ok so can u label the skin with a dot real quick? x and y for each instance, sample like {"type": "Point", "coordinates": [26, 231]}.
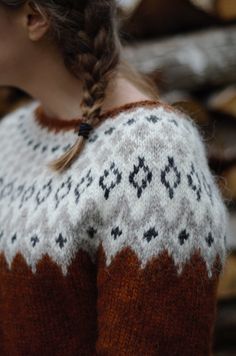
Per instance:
{"type": "Point", "coordinates": [30, 62]}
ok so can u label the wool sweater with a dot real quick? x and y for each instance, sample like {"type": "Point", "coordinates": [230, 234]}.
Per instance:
{"type": "Point", "coordinates": [118, 255]}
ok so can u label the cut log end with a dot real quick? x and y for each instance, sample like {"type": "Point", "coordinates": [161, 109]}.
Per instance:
{"type": "Point", "coordinates": [225, 9]}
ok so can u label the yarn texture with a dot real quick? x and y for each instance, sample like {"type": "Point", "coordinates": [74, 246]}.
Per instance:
{"type": "Point", "coordinates": [119, 255]}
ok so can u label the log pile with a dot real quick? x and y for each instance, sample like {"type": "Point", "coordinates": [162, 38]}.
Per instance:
{"type": "Point", "coordinates": [188, 61]}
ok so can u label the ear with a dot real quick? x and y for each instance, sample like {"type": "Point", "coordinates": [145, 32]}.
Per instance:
{"type": "Point", "coordinates": [37, 21]}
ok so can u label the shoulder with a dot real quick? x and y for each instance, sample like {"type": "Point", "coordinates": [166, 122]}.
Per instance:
{"type": "Point", "coordinates": [153, 130]}
{"type": "Point", "coordinates": [161, 193]}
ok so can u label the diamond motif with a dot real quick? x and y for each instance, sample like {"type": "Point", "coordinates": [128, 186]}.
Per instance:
{"type": "Point", "coordinates": [7, 190]}
{"type": "Point", "coordinates": [84, 183]}
{"type": "Point", "coordinates": [113, 172]}
{"type": "Point", "coordinates": [173, 174]}
{"type": "Point", "coordinates": [18, 192]}
{"type": "Point", "coordinates": [63, 191]}
{"type": "Point", "coordinates": [44, 194]}
{"type": "Point", "coordinates": [27, 195]}
{"type": "Point", "coordinates": [140, 176]}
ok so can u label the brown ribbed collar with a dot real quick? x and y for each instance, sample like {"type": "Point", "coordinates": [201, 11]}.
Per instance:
{"type": "Point", "coordinates": [59, 124]}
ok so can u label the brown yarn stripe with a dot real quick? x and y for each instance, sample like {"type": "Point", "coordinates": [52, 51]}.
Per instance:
{"type": "Point", "coordinates": [57, 124]}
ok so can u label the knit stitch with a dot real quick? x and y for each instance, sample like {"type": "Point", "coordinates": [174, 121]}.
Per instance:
{"type": "Point", "coordinates": [121, 253]}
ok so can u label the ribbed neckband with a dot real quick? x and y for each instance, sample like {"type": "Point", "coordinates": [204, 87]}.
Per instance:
{"type": "Point", "coordinates": [59, 124]}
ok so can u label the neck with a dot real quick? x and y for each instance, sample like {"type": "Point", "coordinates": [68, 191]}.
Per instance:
{"type": "Point", "coordinates": [60, 92]}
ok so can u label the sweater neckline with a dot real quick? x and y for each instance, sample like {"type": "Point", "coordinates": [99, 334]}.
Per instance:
{"type": "Point", "coordinates": [60, 124]}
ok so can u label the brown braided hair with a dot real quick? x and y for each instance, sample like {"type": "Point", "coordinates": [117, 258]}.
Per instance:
{"type": "Point", "coordinates": [87, 34]}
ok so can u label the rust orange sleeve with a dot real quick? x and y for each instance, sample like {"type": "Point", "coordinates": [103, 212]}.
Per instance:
{"type": "Point", "coordinates": [155, 311]}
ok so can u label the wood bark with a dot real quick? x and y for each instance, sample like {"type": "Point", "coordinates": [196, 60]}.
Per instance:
{"type": "Point", "coordinates": [187, 62]}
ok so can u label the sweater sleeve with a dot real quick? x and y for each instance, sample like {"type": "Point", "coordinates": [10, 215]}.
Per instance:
{"type": "Point", "coordinates": [163, 241]}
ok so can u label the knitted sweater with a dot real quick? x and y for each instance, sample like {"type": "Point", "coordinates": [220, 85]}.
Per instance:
{"type": "Point", "coordinates": [120, 254]}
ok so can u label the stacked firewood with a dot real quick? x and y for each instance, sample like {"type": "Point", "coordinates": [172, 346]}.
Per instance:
{"type": "Point", "coordinates": [189, 48]}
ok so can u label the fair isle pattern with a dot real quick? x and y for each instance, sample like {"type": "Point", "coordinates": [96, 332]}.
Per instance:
{"type": "Point", "coordinates": [142, 181]}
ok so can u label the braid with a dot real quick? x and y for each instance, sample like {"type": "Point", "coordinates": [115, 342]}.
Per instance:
{"type": "Point", "coordinates": [87, 36]}
{"type": "Point", "coordinates": [94, 64]}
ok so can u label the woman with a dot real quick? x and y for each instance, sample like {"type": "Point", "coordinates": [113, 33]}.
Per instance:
{"type": "Point", "coordinates": [113, 230]}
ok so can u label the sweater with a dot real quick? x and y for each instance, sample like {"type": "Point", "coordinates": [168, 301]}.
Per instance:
{"type": "Point", "coordinates": [121, 253]}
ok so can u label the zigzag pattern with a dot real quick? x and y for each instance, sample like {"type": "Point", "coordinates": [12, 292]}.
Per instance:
{"type": "Point", "coordinates": [142, 181]}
